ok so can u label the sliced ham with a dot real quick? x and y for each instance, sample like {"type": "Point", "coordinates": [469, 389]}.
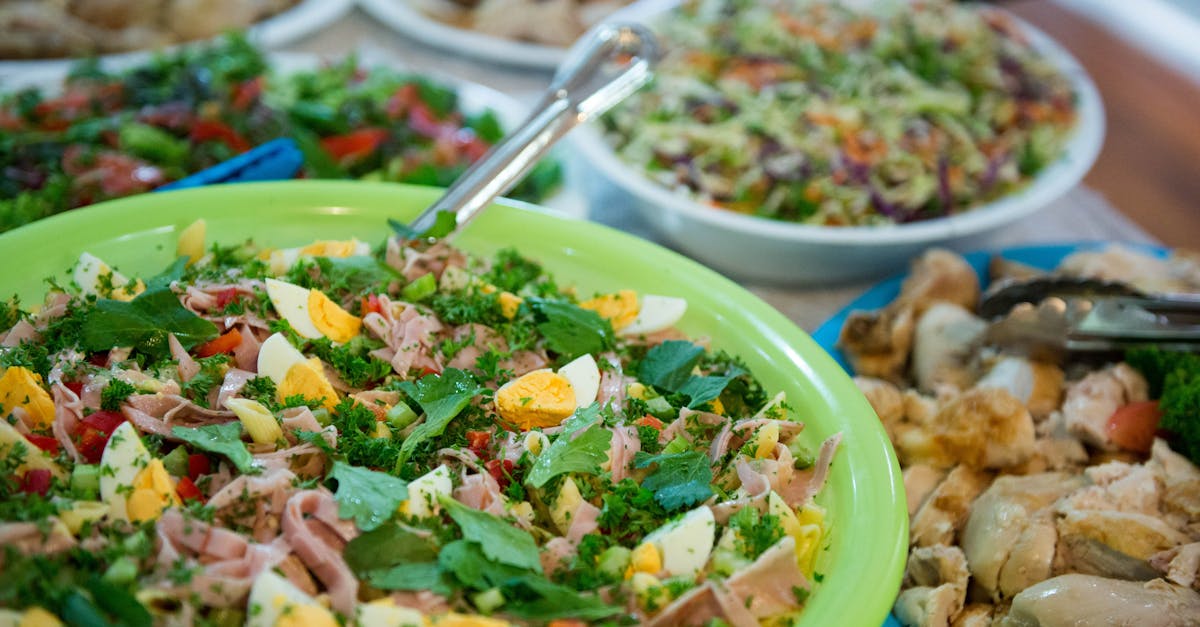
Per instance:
{"type": "Point", "coordinates": [768, 586]}
{"type": "Point", "coordinates": [188, 368]}
{"type": "Point", "coordinates": [409, 337]}
{"type": "Point", "coordinates": [414, 264]}
{"type": "Point", "coordinates": [481, 491]}
{"type": "Point", "coordinates": [232, 385]}
{"type": "Point", "coordinates": [31, 538]}
{"type": "Point", "coordinates": [700, 605]}
{"type": "Point", "coordinates": [625, 444]}
{"type": "Point", "coordinates": [22, 331]}
{"type": "Point", "coordinates": [557, 554]}
{"type": "Point", "coordinates": [68, 412]}
{"type": "Point", "coordinates": [227, 562]}
{"type": "Point", "coordinates": [807, 483]}
{"type": "Point", "coordinates": [245, 354]}
{"type": "Point", "coordinates": [483, 338]}
{"type": "Point", "coordinates": [612, 381]}
{"type": "Point", "coordinates": [583, 522]}
{"type": "Point", "coordinates": [158, 413]}
{"type": "Point", "coordinates": [312, 528]}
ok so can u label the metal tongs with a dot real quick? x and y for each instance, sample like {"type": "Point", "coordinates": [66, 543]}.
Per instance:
{"type": "Point", "coordinates": [1048, 317]}
{"type": "Point", "coordinates": [607, 65]}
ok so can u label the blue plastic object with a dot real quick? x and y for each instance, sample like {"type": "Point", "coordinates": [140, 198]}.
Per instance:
{"type": "Point", "coordinates": [275, 160]}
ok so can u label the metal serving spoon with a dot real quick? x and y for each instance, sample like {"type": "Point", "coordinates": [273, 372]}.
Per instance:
{"type": "Point", "coordinates": [607, 65]}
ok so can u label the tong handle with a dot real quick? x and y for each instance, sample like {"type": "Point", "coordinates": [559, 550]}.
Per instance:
{"type": "Point", "coordinates": [1171, 318]}
{"type": "Point", "coordinates": [610, 63]}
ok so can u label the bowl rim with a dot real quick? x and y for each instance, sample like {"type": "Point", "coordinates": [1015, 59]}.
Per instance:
{"type": "Point", "coordinates": [1079, 153]}
{"type": "Point", "coordinates": [878, 541]}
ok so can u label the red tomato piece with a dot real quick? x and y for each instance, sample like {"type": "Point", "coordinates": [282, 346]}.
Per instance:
{"type": "Point", "coordinates": [371, 304]}
{"type": "Point", "coordinates": [44, 442]}
{"type": "Point", "coordinates": [649, 421]}
{"type": "Point", "coordinates": [75, 386]}
{"type": "Point", "coordinates": [246, 93]}
{"type": "Point", "coordinates": [501, 471]}
{"type": "Point", "coordinates": [1133, 426]}
{"type": "Point", "coordinates": [91, 444]}
{"type": "Point", "coordinates": [224, 344]}
{"type": "Point", "coordinates": [210, 130]}
{"type": "Point", "coordinates": [198, 465]}
{"type": "Point", "coordinates": [477, 441]}
{"type": "Point", "coordinates": [188, 491]}
{"type": "Point", "coordinates": [36, 481]}
{"type": "Point", "coordinates": [226, 296]}
{"type": "Point", "coordinates": [105, 421]}
{"type": "Point", "coordinates": [354, 145]}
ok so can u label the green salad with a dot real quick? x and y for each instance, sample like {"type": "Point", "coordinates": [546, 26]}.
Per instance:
{"type": "Point", "coordinates": [107, 135]}
{"type": "Point", "coordinates": [819, 113]}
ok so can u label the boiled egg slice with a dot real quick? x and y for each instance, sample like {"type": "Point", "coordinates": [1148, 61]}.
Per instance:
{"type": "Point", "coordinates": [293, 373]}
{"type": "Point", "coordinates": [22, 387]}
{"type": "Point", "coordinates": [656, 313]}
{"type": "Point", "coordinates": [135, 484]}
{"type": "Point", "coordinates": [542, 398]}
{"type": "Point", "coordinates": [685, 544]}
{"type": "Point", "coordinates": [282, 260]}
{"type": "Point", "coordinates": [96, 278]}
{"type": "Point", "coordinates": [584, 377]}
{"type": "Point", "coordinates": [276, 602]}
{"type": "Point", "coordinates": [311, 313]}
{"type": "Point", "coordinates": [384, 612]}
{"type": "Point", "coordinates": [425, 492]}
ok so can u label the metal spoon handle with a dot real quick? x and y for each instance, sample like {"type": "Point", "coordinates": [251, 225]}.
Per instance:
{"type": "Point", "coordinates": [611, 62]}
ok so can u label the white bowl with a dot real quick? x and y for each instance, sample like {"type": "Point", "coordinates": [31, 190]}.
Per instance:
{"type": "Point", "coordinates": [774, 251]}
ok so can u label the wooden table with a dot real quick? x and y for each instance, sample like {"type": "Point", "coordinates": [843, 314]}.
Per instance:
{"type": "Point", "coordinates": [1149, 167]}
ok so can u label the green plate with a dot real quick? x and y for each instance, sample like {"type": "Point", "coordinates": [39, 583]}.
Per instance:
{"type": "Point", "coordinates": [868, 525]}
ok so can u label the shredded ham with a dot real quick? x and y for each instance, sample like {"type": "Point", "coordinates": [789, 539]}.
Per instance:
{"type": "Point", "coordinates": [245, 354]}
{"type": "Point", "coordinates": [267, 492]}
{"type": "Point", "coordinates": [612, 381]}
{"type": "Point", "coordinates": [414, 264]}
{"type": "Point", "coordinates": [158, 413]}
{"type": "Point", "coordinates": [625, 444]}
{"type": "Point", "coordinates": [188, 367]}
{"type": "Point", "coordinates": [30, 537]}
{"type": "Point", "coordinates": [556, 554]}
{"type": "Point", "coordinates": [22, 331]}
{"type": "Point", "coordinates": [228, 562]}
{"type": "Point", "coordinates": [312, 528]}
{"type": "Point", "coordinates": [583, 522]}
{"type": "Point", "coordinates": [202, 299]}
{"type": "Point", "coordinates": [481, 491]}
{"type": "Point", "coordinates": [68, 412]}
{"type": "Point", "coordinates": [232, 385]}
{"type": "Point", "coordinates": [409, 337]}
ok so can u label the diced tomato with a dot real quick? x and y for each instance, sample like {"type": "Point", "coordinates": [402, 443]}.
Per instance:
{"type": "Point", "coordinates": [477, 441]}
{"type": "Point", "coordinates": [371, 304]}
{"type": "Point", "coordinates": [111, 174]}
{"type": "Point", "coordinates": [44, 442]}
{"type": "Point", "coordinates": [226, 296]}
{"type": "Point", "coordinates": [99, 360]}
{"type": "Point", "coordinates": [74, 386]}
{"type": "Point", "coordinates": [649, 421]}
{"type": "Point", "coordinates": [209, 130]}
{"type": "Point", "coordinates": [501, 471]}
{"type": "Point", "coordinates": [354, 145]}
{"type": "Point", "coordinates": [104, 421]}
{"type": "Point", "coordinates": [247, 93]}
{"type": "Point", "coordinates": [1133, 426]}
{"type": "Point", "coordinates": [36, 481]}
{"type": "Point", "coordinates": [188, 491]}
{"type": "Point", "coordinates": [198, 465]}
{"type": "Point", "coordinates": [226, 343]}
{"type": "Point", "coordinates": [91, 444]}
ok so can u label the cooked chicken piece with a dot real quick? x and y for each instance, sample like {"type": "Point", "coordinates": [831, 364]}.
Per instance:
{"type": "Point", "coordinates": [117, 14]}
{"type": "Point", "coordinates": [999, 518]}
{"type": "Point", "coordinates": [1136, 535]}
{"type": "Point", "coordinates": [928, 607]}
{"type": "Point", "coordinates": [1180, 501]}
{"type": "Point", "coordinates": [1185, 266]}
{"type": "Point", "coordinates": [940, 275]}
{"type": "Point", "coordinates": [876, 343]}
{"type": "Point", "coordinates": [551, 22]}
{"type": "Point", "coordinates": [919, 482]}
{"type": "Point", "coordinates": [936, 565]}
{"type": "Point", "coordinates": [1092, 400]}
{"type": "Point", "coordinates": [985, 428]}
{"type": "Point", "coordinates": [938, 520]}
{"type": "Point", "coordinates": [919, 409]}
{"type": "Point", "coordinates": [1037, 384]}
{"type": "Point", "coordinates": [1087, 556]}
{"type": "Point", "coordinates": [1032, 556]}
{"type": "Point", "coordinates": [1119, 263]}
{"type": "Point", "coordinates": [201, 19]}
{"type": "Point", "coordinates": [33, 30]}
{"type": "Point", "coordinates": [1180, 564]}
{"type": "Point", "coordinates": [885, 398]}
{"type": "Point", "coordinates": [1054, 448]}
{"type": "Point", "coordinates": [944, 341]}
{"type": "Point", "coordinates": [974, 615]}
{"type": "Point", "coordinates": [1072, 600]}
{"type": "Point", "coordinates": [1001, 269]}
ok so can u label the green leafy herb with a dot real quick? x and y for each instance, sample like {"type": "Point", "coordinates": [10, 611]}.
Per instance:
{"type": "Point", "coordinates": [756, 532]}
{"type": "Point", "coordinates": [669, 365]}
{"type": "Point", "coordinates": [680, 480]}
{"type": "Point", "coordinates": [114, 394]}
{"type": "Point", "coordinates": [570, 330]}
{"type": "Point", "coordinates": [369, 497]}
{"type": "Point", "coordinates": [144, 323]}
{"type": "Point", "coordinates": [223, 439]}
{"type": "Point", "coordinates": [353, 360]}
{"type": "Point", "coordinates": [536, 599]}
{"type": "Point", "coordinates": [442, 397]}
{"type": "Point", "coordinates": [499, 540]}
{"type": "Point", "coordinates": [386, 546]}
{"type": "Point", "coordinates": [411, 576]}
{"type": "Point", "coordinates": [443, 225]}
{"type": "Point", "coordinates": [701, 390]}
{"type": "Point", "coordinates": [471, 567]}
{"type": "Point", "coordinates": [583, 454]}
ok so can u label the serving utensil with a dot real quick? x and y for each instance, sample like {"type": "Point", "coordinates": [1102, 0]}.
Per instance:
{"type": "Point", "coordinates": [1048, 317]}
{"type": "Point", "coordinates": [607, 65]}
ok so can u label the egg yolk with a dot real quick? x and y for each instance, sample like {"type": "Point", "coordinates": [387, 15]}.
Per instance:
{"type": "Point", "coordinates": [152, 492]}
{"type": "Point", "coordinates": [305, 615]}
{"type": "Point", "coordinates": [541, 398]}
{"type": "Point", "coordinates": [619, 309]}
{"type": "Point", "coordinates": [330, 319]}
{"type": "Point", "coordinates": [307, 379]}
{"type": "Point", "coordinates": [21, 387]}
{"type": "Point", "coordinates": [330, 248]}
{"type": "Point", "coordinates": [454, 619]}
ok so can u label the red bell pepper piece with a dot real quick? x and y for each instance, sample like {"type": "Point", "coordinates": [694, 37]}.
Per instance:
{"type": "Point", "coordinates": [501, 471]}
{"type": "Point", "coordinates": [354, 145]}
{"type": "Point", "coordinates": [44, 442]}
{"type": "Point", "coordinates": [106, 421]}
{"type": "Point", "coordinates": [188, 491]}
{"type": "Point", "coordinates": [477, 441]}
{"type": "Point", "coordinates": [36, 481]}
{"type": "Point", "coordinates": [247, 93]}
{"type": "Point", "coordinates": [94, 432]}
{"type": "Point", "coordinates": [224, 344]}
{"type": "Point", "coordinates": [198, 464]}
{"type": "Point", "coordinates": [209, 130]}
{"type": "Point", "coordinates": [649, 421]}
{"type": "Point", "coordinates": [371, 304]}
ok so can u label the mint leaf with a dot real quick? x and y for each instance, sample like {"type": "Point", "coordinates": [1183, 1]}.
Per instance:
{"type": "Point", "coordinates": [174, 272]}
{"type": "Point", "coordinates": [387, 546]}
{"type": "Point", "coordinates": [701, 390]}
{"type": "Point", "coordinates": [681, 479]}
{"type": "Point", "coordinates": [583, 454]}
{"type": "Point", "coordinates": [443, 225]}
{"type": "Point", "coordinates": [669, 365]}
{"type": "Point", "coordinates": [467, 562]}
{"type": "Point", "coordinates": [144, 323]}
{"type": "Point", "coordinates": [412, 576]}
{"type": "Point", "coordinates": [223, 439]}
{"type": "Point", "coordinates": [536, 599]}
{"type": "Point", "coordinates": [570, 330]}
{"type": "Point", "coordinates": [367, 496]}
{"type": "Point", "coordinates": [442, 398]}
{"type": "Point", "coordinates": [499, 540]}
